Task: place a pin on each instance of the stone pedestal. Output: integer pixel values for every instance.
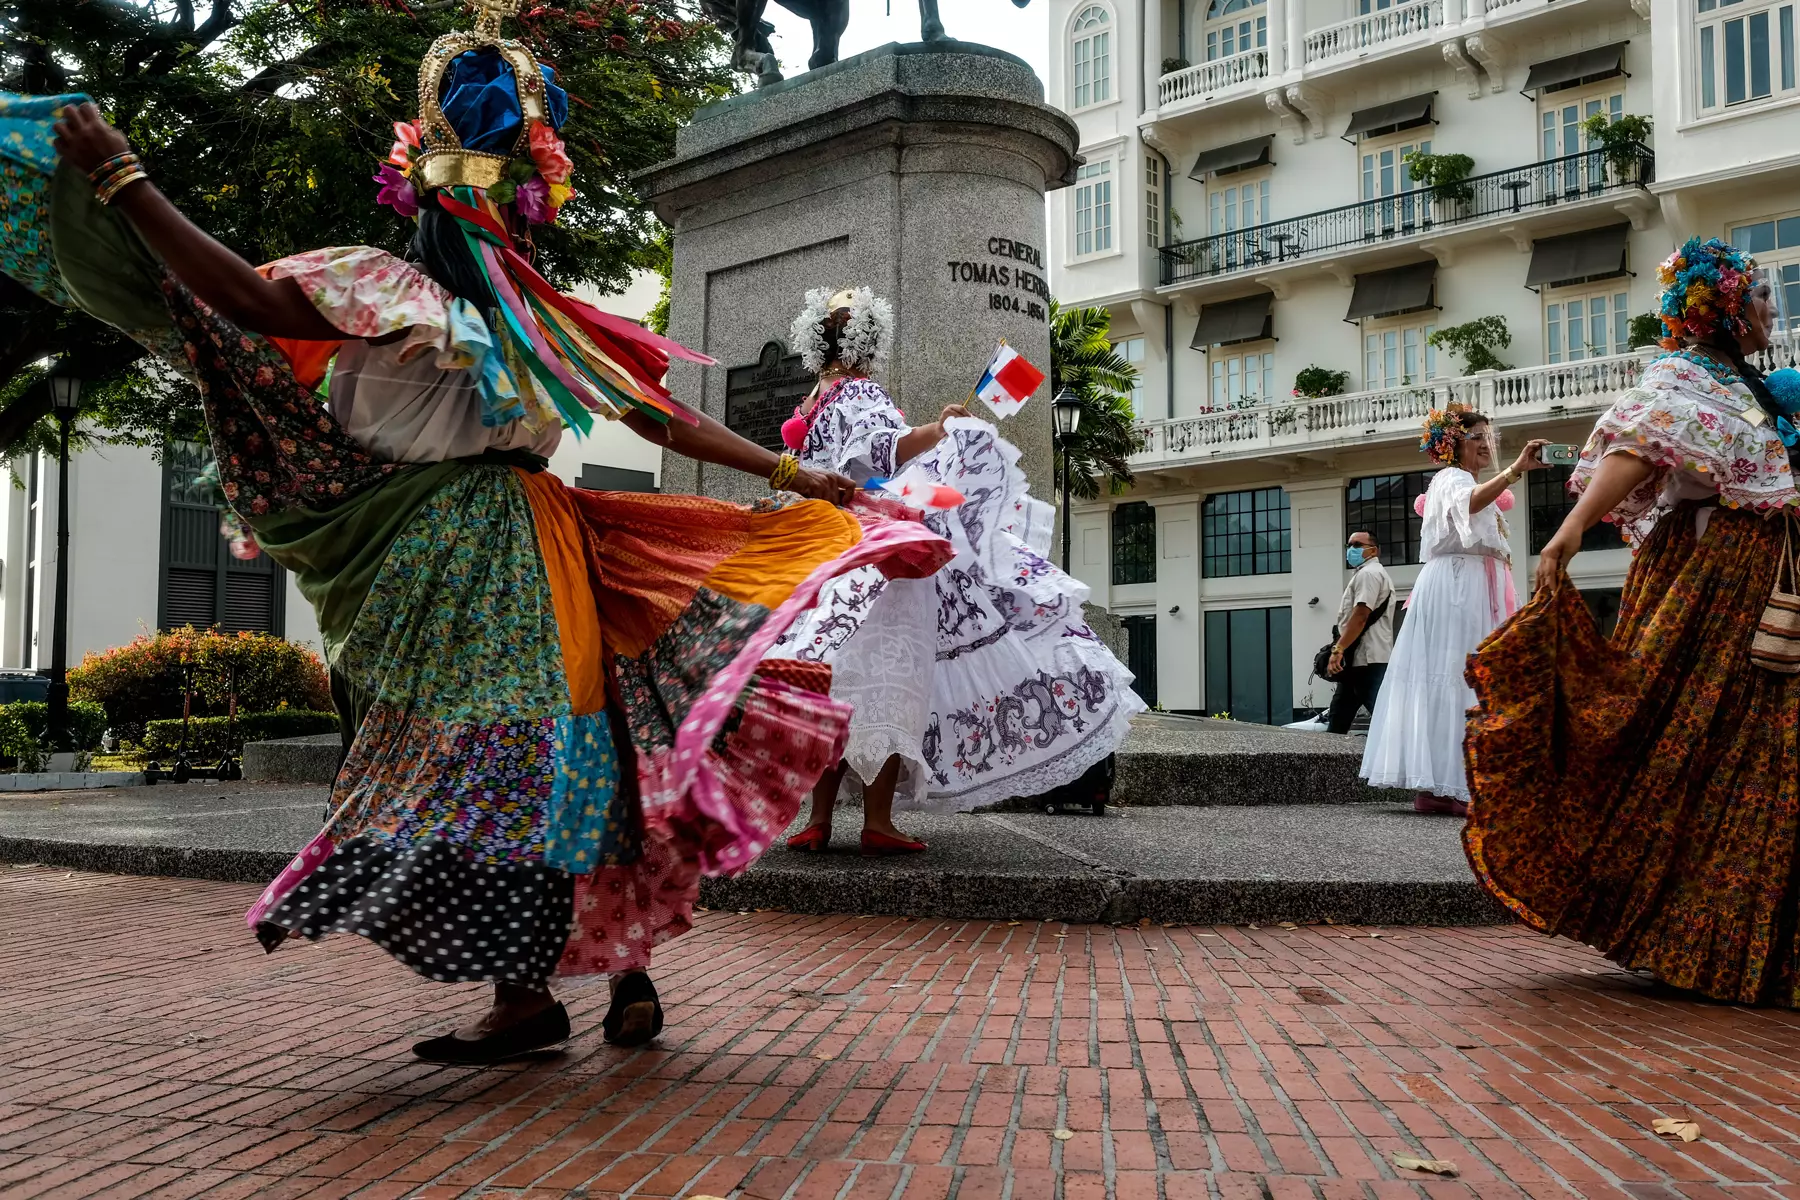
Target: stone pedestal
(919, 171)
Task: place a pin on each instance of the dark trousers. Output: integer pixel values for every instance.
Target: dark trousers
(1356, 688)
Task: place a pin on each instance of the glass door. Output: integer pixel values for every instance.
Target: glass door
(1385, 179)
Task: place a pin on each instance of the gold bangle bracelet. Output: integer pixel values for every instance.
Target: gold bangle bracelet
(784, 473)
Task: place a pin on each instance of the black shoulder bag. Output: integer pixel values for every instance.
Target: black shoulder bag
(1322, 660)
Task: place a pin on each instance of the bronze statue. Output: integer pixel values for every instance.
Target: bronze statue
(742, 20)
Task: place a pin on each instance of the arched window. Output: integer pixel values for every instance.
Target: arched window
(1092, 57)
(1232, 28)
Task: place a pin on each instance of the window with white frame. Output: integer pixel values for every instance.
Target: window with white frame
(1235, 203)
(1132, 351)
(1775, 244)
(1384, 177)
(1241, 378)
(1560, 118)
(1586, 322)
(1398, 354)
(1744, 51)
(1153, 188)
(1091, 59)
(1093, 208)
(1235, 27)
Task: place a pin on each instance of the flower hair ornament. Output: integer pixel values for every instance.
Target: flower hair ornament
(1705, 284)
(488, 119)
(1443, 434)
(864, 324)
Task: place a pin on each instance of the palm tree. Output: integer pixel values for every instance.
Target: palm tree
(1082, 359)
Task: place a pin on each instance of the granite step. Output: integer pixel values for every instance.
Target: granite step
(1353, 864)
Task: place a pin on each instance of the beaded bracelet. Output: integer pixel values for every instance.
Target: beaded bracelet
(117, 183)
(125, 158)
(785, 472)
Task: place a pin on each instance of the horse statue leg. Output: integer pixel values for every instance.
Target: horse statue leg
(931, 29)
(829, 20)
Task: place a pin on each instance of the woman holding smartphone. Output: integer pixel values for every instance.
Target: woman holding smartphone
(1464, 590)
(1643, 796)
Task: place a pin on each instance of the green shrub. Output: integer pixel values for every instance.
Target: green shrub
(1315, 383)
(1475, 341)
(142, 682)
(25, 727)
(1646, 330)
(211, 738)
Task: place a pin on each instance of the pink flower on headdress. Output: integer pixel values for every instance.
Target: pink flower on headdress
(549, 155)
(397, 191)
(406, 135)
(533, 200)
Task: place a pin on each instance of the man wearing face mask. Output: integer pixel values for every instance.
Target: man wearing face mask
(1365, 637)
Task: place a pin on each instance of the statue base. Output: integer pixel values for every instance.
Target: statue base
(918, 171)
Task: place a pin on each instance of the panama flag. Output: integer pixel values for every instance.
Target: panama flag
(918, 489)
(1008, 381)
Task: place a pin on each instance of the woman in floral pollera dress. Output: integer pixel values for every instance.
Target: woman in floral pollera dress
(1642, 795)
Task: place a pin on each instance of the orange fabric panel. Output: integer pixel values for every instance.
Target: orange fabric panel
(560, 541)
(783, 549)
(647, 556)
(308, 359)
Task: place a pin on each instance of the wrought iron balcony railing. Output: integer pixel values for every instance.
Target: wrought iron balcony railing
(1516, 191)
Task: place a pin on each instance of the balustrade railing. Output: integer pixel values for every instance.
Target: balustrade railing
(1203, 79)
(1554, 390)
(1540, 185)
(1372, 29)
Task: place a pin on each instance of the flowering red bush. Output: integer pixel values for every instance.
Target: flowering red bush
(142, 682)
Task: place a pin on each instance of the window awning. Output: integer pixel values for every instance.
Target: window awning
(1399, 290)
(1585, 67)
(1590, 254)
(1253, 153)
(1242, 320)
(1386, 118)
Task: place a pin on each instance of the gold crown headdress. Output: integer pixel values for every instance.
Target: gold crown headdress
(442, 161)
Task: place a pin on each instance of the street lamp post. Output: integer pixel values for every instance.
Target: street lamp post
(65, 399)
(1067, 410)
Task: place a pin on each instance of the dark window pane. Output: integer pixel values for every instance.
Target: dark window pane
(1734, 62)
(1759, 54)
(1548, 498)
(1134, 543)
(1250, 665)
(1218, 662)
(1604, 604)
(1246, 533)
(1382, 506)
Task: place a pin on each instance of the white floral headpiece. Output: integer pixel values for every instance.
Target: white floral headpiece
(864, 341)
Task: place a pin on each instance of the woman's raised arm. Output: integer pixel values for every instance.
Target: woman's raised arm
(231, 286)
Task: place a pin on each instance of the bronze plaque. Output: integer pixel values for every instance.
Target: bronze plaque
(759, 397)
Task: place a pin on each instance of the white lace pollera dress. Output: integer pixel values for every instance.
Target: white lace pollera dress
(985, 678)
(1416, 734)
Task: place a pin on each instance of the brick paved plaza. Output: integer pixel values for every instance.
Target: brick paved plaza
(148, 1048)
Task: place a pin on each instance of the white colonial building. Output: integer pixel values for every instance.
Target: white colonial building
(145, 551)
(1244, 212)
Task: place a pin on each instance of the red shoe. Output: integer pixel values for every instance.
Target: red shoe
(875, 844)
(814, 839)
(1424, 802)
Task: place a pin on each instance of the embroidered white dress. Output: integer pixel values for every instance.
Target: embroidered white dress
(1416, 734)
(984, 679)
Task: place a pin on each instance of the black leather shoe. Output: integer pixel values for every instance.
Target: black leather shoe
(636, 1014)
(537, 1032)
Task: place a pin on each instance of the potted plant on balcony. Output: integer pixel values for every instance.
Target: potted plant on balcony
(1315, 383)
(1621, 143)
(1172, 65)
(1646, 329)
(1446, 177)
(1475, 341)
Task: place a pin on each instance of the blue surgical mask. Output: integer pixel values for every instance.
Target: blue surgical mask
(1353, 555)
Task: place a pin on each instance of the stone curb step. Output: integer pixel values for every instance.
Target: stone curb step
(1084, 896)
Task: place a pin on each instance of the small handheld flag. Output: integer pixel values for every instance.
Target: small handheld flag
(1008, 381)
(914, 487)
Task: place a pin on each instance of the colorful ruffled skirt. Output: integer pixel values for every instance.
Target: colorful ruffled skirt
(565, 711)
(1643, 795)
